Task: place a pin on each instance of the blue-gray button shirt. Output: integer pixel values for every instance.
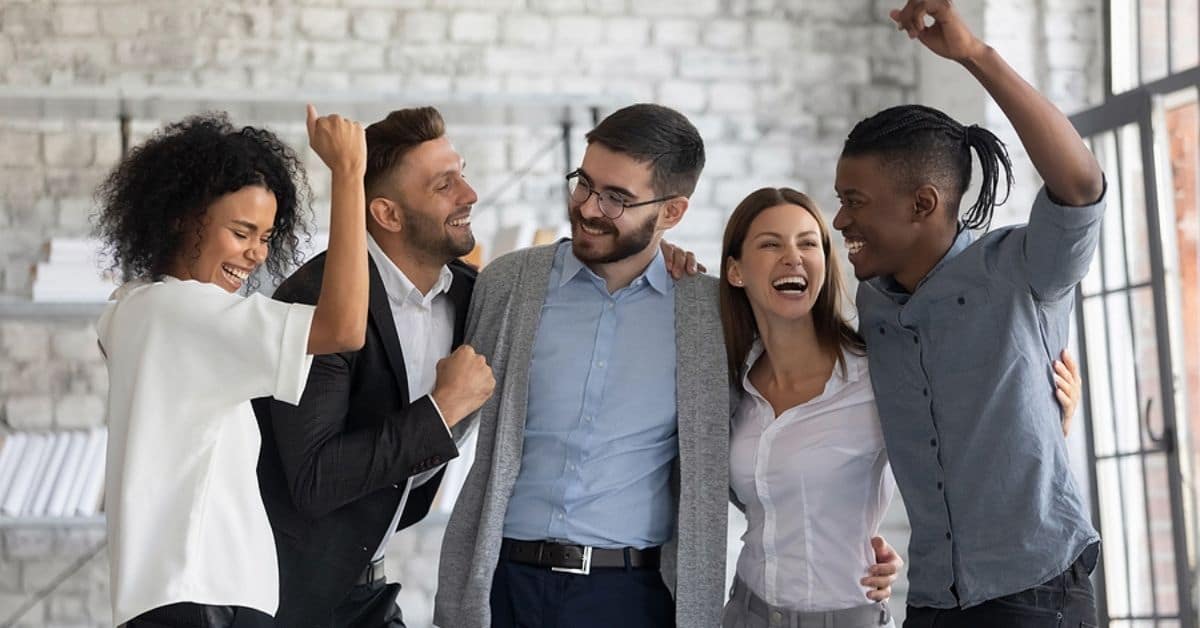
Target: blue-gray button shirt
(601, 432)
(962, 371)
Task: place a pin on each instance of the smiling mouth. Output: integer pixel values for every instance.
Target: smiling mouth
(855, 246)
(791, 285)
(465, 221)
(234, 274)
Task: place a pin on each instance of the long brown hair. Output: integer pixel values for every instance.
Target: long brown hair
(834, 333)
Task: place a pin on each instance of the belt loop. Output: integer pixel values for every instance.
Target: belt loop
(628, 560)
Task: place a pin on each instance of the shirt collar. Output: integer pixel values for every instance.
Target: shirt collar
(399, 287)
(655, 273)
(854, 368)
(963, 240)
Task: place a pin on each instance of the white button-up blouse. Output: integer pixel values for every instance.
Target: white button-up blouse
(815, 483)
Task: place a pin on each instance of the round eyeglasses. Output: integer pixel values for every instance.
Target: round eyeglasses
(612, 204)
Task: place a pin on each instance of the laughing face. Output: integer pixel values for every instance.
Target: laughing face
(876, 220)
(435, 201)
(230, 240)
(782, 265)
(598, 239)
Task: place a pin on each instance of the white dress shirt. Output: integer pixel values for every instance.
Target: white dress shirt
(425, 326)
(186, 521)
(815, 482)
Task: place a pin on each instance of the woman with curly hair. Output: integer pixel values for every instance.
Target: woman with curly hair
(188, 217)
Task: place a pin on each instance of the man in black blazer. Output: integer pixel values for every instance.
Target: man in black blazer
(361, 456)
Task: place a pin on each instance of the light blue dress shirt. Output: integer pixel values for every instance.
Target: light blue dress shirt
(600, 431)
(962, 371)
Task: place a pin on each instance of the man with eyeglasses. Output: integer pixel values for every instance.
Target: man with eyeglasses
(601, 472)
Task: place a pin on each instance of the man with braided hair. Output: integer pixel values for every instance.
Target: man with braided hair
(962, 336)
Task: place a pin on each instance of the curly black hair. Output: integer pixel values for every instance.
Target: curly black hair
(169, 181)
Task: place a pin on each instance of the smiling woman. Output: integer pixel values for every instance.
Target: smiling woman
(172, 192)
(188, 217)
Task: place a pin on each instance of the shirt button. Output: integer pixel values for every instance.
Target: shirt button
(962, 301)
(925, 392)
(939, 486)
(600, 364)
(560, 516)
(612, 305)
(882, 331)
(947, 536)
(916, 340)
(933, 442)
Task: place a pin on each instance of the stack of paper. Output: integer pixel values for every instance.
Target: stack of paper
(71, 273)
(59, 474)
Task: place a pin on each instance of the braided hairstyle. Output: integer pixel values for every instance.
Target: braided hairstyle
(925, 145)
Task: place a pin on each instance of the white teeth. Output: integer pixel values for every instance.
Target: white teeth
(794, 283)
(854, 246)
(236, 273)
(461, 222)
(794, 279)
(590, 230)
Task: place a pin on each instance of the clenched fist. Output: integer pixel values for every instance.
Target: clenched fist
(339, 142)
(464, 383)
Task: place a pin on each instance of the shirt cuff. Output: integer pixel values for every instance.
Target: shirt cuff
(294, 359)
(1070, 216)
(441, 416)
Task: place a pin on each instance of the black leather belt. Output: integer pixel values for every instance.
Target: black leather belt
(373, 574)
(578, 559)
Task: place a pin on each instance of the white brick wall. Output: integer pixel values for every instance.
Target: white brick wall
(773, 85)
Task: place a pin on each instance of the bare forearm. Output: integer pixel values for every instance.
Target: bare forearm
(1070, 171)
(340, 321)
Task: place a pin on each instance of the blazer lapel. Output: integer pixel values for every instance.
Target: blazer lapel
(460, 296)
(385, 324)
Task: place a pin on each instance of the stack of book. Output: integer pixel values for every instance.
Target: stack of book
(52, 474)
(71, 273)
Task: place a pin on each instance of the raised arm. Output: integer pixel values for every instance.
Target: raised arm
(340, 321)
(1071, 172)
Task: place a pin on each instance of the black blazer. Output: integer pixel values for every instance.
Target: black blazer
(332, 469)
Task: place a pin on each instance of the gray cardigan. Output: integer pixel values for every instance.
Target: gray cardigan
(501, 325)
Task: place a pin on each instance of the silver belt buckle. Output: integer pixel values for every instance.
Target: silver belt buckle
(585, 570)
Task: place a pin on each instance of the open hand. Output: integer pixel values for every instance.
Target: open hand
(1068, 388)
(680, 262)
(884, 572)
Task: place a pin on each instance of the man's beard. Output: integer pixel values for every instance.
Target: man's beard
(430, 237)
(625, 245)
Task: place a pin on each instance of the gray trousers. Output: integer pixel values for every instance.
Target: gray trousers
(747, 610)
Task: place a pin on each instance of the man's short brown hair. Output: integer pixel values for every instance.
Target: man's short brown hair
(390, 139)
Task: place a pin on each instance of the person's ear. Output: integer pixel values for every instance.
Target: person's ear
(672, 212)
(926, 202)
(733, 271)
(386, 213)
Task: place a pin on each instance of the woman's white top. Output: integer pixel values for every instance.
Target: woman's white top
(186, 521)
(815, 483)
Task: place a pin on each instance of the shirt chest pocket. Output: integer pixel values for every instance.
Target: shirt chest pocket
(965, 331)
